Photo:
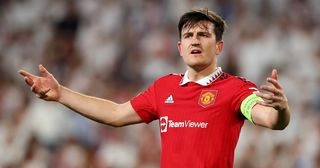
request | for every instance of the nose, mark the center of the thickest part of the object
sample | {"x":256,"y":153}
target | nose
{"x":195,"y":41}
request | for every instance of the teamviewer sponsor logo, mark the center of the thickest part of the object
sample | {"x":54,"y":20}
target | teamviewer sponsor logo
{"x":165,"y":123}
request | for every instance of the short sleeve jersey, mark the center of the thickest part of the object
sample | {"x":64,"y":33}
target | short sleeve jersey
{"x":199,"y":122}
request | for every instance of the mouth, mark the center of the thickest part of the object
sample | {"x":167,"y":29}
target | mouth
{"x":196,"y":51}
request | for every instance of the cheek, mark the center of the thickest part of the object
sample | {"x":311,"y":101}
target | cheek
{"x":211,"y":48}
{"x":183,"y":48}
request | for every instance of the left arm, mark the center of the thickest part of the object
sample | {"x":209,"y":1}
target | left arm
{"x":274,"y":112}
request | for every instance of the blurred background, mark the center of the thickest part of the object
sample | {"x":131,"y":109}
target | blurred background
{"x":116,"y":48}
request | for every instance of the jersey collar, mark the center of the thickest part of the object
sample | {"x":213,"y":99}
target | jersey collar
{"x":204,"y":81}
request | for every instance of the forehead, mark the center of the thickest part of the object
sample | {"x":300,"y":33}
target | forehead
{"x":203,"y":26}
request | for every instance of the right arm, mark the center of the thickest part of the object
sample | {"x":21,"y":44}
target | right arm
{"x":100,"y":110}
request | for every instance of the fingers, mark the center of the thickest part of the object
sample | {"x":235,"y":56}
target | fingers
{"x":272,"y":89}
{"x":271,"y":100}
{"x":275,"y":97}
{"x":275,"y":83}
{"x":28,"y":78}
{"x":269,"y":97}
{"x":27,"y":74}
{"x":33,"y":88}
{"x":275,"y":105}
{"x":38,"y":85}
{"x":38,"y":91}
{"x":28,"y":81}
{"x":43,"y":71}
{"x":275,"y":94}
{"x":274,"y":74}
{"x":43,"y":93}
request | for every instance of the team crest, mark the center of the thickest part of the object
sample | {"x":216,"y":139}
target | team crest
{"x":207,"y":98}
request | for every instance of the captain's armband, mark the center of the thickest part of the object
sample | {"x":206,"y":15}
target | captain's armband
{"x":247,"y":105}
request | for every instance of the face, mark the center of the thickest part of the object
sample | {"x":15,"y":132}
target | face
{"x":198,"y":46}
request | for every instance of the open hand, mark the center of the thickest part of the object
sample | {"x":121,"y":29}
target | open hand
{"x":275,"y":97}
{"x":45,"y":86}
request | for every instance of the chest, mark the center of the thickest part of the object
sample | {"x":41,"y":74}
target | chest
{"x":195,"y":107}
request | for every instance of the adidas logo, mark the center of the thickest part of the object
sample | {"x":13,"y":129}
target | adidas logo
{"x":169,"y":100}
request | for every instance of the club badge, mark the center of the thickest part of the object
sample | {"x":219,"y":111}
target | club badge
{"x":207,"y":98}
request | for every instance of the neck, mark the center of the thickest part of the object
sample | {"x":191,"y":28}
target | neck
{"x":195,"y":75}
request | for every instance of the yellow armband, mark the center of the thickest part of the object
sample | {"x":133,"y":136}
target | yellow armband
{"x":247,"y":104}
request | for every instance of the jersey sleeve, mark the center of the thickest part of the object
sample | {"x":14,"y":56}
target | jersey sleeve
{"x":246,"y":89}
{"x":145,"y":105}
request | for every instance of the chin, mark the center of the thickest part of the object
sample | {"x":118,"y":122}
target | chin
{"x":198,"y":66}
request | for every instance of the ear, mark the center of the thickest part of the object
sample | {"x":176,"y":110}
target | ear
{"x":179,"y":47}
{"x":219,"y":47}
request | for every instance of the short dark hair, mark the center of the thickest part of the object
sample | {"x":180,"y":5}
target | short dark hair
{"x":193,"y":17}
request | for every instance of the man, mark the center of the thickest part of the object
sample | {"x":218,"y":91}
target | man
{"x":200,"y":113}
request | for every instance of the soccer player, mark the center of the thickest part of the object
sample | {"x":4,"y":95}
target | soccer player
{"x":200,"y":112}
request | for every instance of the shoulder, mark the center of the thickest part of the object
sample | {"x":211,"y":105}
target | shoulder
{"x":244,"y":83}
{"x":242,"y":80}
{"x":172,"y":78}
{"x":234,"y":80}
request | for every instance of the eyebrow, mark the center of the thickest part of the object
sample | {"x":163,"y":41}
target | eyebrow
{"x":205,"y":33}
{"x":200,"y":32}
{"x":187,"y":33}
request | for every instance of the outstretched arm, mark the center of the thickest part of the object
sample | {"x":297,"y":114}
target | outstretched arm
{"x":104,"y":111}
{"x":274,"y":112}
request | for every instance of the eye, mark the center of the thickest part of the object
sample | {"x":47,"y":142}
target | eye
{"x":204,"y":34}
{"x":187,"y":35}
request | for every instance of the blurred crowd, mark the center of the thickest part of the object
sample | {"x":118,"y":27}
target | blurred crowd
{"x":115,"y":49}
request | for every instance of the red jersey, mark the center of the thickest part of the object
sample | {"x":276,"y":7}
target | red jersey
{"x":200,"y":122}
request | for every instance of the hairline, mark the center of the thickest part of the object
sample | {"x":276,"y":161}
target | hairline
{"x":201,"y":23}
{"x":217,"y":21}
